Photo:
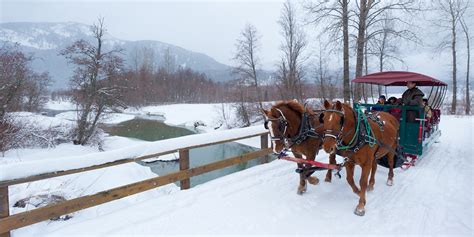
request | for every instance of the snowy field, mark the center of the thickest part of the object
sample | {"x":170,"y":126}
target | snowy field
{"x":434,"y":197}
{"x":210,"y":116}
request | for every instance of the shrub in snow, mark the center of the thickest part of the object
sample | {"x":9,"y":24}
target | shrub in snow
{"x":8,"y":134}
{"x":246,"y":114}
{"x":23,"y":133}
{"x":41,"y":201}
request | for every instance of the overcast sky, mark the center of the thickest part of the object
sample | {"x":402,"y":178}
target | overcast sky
{"x":209,"y":27}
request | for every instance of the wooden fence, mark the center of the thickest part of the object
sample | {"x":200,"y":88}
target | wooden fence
{"x":8,"y":223}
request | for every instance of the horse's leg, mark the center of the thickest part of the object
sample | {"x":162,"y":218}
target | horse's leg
{"x":332,"y":161}
{"x":372,"y":176}
{"x":350,"y":176}
{"x":360,"y":209}
{"x":391,"y":163}
{"x":312,"y":180}
{"x":302,"y":185}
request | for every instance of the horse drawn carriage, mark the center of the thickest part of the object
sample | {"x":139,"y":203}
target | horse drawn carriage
{"x":415,"y":135}
{"x":392,"y":135}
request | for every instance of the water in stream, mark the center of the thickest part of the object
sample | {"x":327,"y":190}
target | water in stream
{"x":153,"y":130}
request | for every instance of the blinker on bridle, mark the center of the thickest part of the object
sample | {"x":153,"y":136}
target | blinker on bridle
{"x":282,"y":126}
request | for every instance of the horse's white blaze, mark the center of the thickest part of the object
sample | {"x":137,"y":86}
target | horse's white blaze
{"x":330,"y":117}
{"x":270,"y":127}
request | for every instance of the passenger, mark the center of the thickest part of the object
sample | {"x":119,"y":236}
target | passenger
{"x":381,"y":100}
{"x":428,"y":113}
{"x":392,"y":101}
{"x":412,"y":97}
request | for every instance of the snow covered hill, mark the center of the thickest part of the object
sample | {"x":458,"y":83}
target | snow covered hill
{"x":45,"y":40}
{"x":433,"y":198}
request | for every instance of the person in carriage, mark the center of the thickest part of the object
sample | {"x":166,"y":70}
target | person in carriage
{"x":381,"y":100}
{"x":412,"y":97}
{"x":392,"y":101}
{"x":427,"y":108}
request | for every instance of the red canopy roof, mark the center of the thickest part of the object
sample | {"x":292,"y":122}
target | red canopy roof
{"x":395,"y":78}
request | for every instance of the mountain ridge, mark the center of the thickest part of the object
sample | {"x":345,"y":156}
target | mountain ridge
{"x":46,"y":39}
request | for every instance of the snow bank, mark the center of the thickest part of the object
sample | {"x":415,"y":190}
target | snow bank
{"x":209,"y":116}
{"x":28,"y":168}
{"x":40,"y":120}
{"x":60,"y":105}
{"x":432,"y":198}
{"x":116,"y":118}
{"x":109,"y":118}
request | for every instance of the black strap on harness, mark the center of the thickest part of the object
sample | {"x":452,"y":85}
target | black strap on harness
{"x":306,"y":130}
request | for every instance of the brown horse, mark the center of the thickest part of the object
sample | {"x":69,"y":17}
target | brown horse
{"x":293,"y":126}
{"x":358,"y":145}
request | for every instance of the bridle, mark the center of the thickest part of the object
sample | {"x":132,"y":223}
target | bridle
{"x":333,"y":133}
{"x":305,"y":130}
{"x":282,"y":126}
{"x":338,"y":135}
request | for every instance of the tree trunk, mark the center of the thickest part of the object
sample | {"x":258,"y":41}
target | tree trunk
{"x":345,"y":32}
{"x":468,"y":99}
{"x":364,"y":6}
{"x":453,"y":48}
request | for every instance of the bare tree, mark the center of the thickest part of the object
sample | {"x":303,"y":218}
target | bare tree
{"x":35,"y":92}
{"x":93,"y":80}
{"x":20,"y":87}
{"x":321,"y":72}
{"x":246,"y":59}
{"x":14,"y":74}
{"x":370,"y":13}
{"x":383,"y":42}
{"x":291,"y":68}
{"x":468,"y":63}
{"x":334,"y":16}
{"x":450,"y":13}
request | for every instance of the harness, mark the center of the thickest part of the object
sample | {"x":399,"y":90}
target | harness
{"x":305,"y":130}
{"x":363,"y":132}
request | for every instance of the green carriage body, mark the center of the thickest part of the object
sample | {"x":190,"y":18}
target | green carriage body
{"x":410,"y":137}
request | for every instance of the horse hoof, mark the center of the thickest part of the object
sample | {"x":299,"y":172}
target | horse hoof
{"x":389,"y":182}
{"x":359,"y":212}
{"x":313,"y":180}
{"x":370,"y":188}
{"x":327,"y":179}
{"x":301,"y":190}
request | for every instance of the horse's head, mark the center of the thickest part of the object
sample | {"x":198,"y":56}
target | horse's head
{"x":333,"y":121}
{"x":283,"y":121}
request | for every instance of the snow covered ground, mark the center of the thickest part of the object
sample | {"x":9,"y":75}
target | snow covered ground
{"x":186,"y":115}
{"x":433,"y":198}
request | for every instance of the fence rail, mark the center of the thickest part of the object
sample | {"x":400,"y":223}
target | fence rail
{"x":8,"y":223}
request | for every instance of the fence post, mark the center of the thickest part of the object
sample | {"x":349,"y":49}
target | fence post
{"x":264,"y":145}
{"x":4,"y":206}
{"x":184,"y":165}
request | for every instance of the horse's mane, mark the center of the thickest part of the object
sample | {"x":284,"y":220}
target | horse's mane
{"x":291,"y":104}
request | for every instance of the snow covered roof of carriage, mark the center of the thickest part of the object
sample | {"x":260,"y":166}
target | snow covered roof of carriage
{"x":398,"y":78}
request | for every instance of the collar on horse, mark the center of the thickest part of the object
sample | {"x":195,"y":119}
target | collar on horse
{"x":363,"y":133}
{"x":305,"y":130}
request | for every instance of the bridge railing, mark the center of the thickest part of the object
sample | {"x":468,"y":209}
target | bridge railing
{"x":10,"y":222}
